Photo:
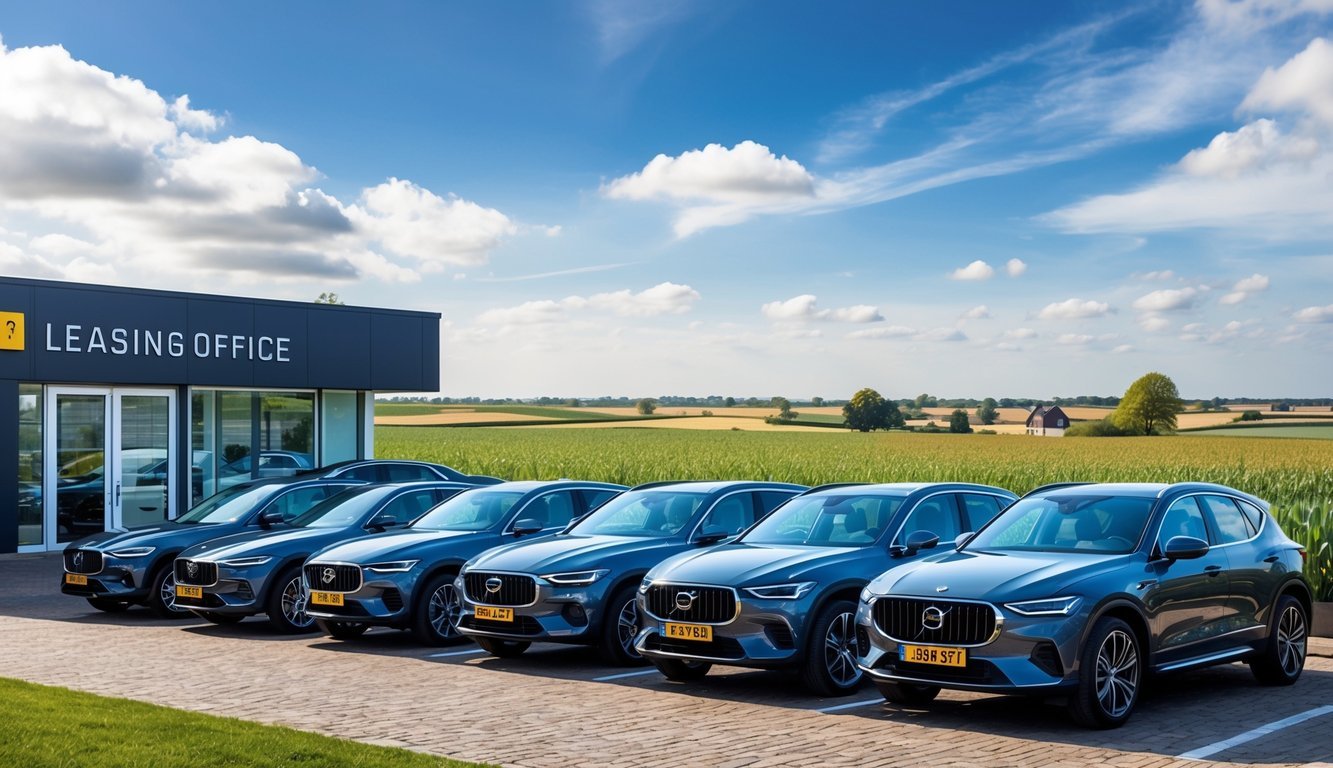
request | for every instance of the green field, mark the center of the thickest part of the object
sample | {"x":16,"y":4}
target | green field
{"x":57,"y":728}
{"x":1306,"y":431}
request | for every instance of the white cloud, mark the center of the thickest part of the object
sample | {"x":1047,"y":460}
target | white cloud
{"x":1166,"y":300}
{"x":977,"y":313}
{"x":942,"y":334}
{"x":905,"y":332}
{"x":1074,"y":339}
{"x":416,"y":223}
{"x":621,"y":27}
{"x":1304,"y":84}
{"x":1156,"y":275}
{"x":1154,"y":323}
{"x":1244,"y":287}
{"x":1122,"y":349}
{"x":1074,"y":309}
{"x":1322,"y":314}
{"x":1015,"y":267}
{"x":1020,"y":333}
{"x":803,"y":307}
{"x":193,"y":119}
{"x":977,"y":270}
{"x":661,"y":299}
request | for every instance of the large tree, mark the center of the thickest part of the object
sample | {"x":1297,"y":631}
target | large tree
{"x":867,"y":411}
{"x":958,"y":421}
{"x":1149,"y":406}
{"x":986,"y":412}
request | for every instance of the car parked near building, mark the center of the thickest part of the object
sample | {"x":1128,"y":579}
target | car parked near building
{"x":783,"y":594}
{"x":398,"y":471}
{"x":405,"y":579}
{"x":224,"y":580}
{"x":1085,"y":590}
{"x":579,"y":586}
{"x":117,"y":569}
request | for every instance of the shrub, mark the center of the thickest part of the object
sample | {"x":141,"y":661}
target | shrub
{"x":1103,"y":428}
{"x":1250,"y":416}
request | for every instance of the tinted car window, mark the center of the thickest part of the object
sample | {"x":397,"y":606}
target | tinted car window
{"x":1068,"y":523}
{"x":339,"y":509}
{"x":369,"y":473}
{"x":937,"y":514}
{"x":595,"y":499}
{"x":552,"y":510}
{"x":226,"y":506}
{"x":642,"y":513}
{"x":978,"y":509}
{"x":732,"y":514}
{"x":295,"y":503}
{"x":470,"y":511}
{"x":771,"y":500}
{"x":1183,"y":518}
{"x":827,"y":521}
{"x":1253,"y":515}
{"x":407,"y":473}
{"x":407,"y":507}
{"x":1228,"y":524}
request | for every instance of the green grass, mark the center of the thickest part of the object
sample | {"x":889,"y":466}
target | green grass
{"x":537,"y":411}
{"x":1251,"y":429}
{"x":59,"y":728}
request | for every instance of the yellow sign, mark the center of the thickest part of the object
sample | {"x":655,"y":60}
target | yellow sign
{"x":11,"y":330}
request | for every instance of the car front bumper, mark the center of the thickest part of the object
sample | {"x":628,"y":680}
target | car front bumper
{"x":557,"y":614}
{"x":762,"y":634}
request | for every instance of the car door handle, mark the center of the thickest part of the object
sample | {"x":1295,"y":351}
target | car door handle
{"x":1272,"y":559}
{"x":1213,"y":570}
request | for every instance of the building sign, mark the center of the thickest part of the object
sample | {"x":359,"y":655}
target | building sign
{"x":142,"y":342}
{"x":11,"y":330}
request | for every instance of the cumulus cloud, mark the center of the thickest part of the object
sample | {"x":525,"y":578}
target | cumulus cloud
{"x":1020,"y":333}
{"x":908,"y":333}
{"x":977,"y":313}
{"x":1245,"y":287}
{"x":1162,"y":275}
{"x":138,"y":178}
{"x":977,"y":270}
{"x":1015,"y":267}
{"x":1322,"y":314}
{"x":803,"y":308}
{"x":1074,"y":309}
{"x":661,"y":299}
{"x":1154,"y":323}
{"x":1166,"y":300}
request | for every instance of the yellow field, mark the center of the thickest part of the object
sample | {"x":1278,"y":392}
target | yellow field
{"x":456,"y":417}
{"x":748,"y":424}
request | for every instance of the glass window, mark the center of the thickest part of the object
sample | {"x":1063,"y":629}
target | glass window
{"x":552,"y":510}
{"x":370,"y":473}
{"x":937,"y":514}
{"x":642,"y":513}
{"x":407,"y":507}
{"x":408,"y":473}
{"x":470,"y":511}
{"x":1068,"y":523}
{"x":771,"y":500}
{"x":232,"y":436}
{"x":1229,"y":524}
{"x":296,"y":503}
{"x":595,"y":499}
{"x":1183,"y":518}
{"x":827,"y":521}
{"x":978,"y":509}
{"x":732,"y":514}
{"x":287,"y":429}
{"x":30,"y":464}
{"x":203,"y":424}
{"x":227,"y":505}
{"x":337,"y":434}
{"x":1253,"y":514}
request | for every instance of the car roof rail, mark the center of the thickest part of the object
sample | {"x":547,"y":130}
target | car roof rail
{"x":828,"y":487}
{"x":658,"y":483}
{"x":1056,"y":486}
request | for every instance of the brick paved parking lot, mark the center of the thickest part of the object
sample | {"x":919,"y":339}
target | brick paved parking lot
{"x":558,"y":706}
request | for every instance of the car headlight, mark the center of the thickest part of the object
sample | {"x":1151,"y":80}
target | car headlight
{"x":644,"y":585}
{"x":794,"y":591}
{"x":393,"y":566}
{"x":1054,"y":606}
{"x":575,"y":578}
{"x":866,"y":594}
{"x":133,"y":552}
{"x":245,"y":562}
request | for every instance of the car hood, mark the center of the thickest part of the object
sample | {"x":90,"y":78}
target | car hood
{"x":576,"y":553}
{"x":747,"y":565}
{"x":276,"y":543}
{"x":162,"y":535}
{"x":995,"y":576}
{"x":400,"y":545}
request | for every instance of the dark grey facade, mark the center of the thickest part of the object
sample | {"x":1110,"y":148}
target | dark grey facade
{"x":82,"y":342}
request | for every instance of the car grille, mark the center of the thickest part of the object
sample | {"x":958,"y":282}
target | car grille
{"x":514,"y":589}
{"x":83,"y":561}
{"x":521,"y":625}
{"x":203,"y":573}
{"x":327,"y":577}
{"x":901,"y":618}
{"x":393,"y":600}
{"x":710,"y":605}
{"x":717,"y":648}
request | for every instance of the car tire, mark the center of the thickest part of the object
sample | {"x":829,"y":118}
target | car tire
{"x":162,"y":594}
{"x":341,"y":630}
{"x":682,"y":670}
{"x":107,"y":605}
{"x":504,"y":649}
{"x":1111,"y":666}
{"x":286,"y":603}
{"x":830,"y":666}
{"x":908,"y":694}
{"x":620,"y":625}
{"x":435,"y":619}
{"x":221,"y":619}
{"x":1283,"y":657}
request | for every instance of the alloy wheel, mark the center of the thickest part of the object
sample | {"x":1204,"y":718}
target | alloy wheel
{"x":1117,"y":673}
{"x":167,"y":593}
{"x":1291,"y":640}
{"x":840,"y":650}
{"x":444,"y":610}
{"x":294,"y":599}
{"x":627,"y":627}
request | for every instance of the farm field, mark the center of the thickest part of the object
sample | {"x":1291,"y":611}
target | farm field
{"x":1297,"y":430}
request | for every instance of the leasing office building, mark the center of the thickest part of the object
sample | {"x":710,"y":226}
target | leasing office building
{"x":133,"y":404}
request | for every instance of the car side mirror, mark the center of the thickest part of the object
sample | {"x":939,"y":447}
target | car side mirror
{"x":916,"y":541}
{"x":962,"y":539}
{"x":270,"y":518}
{"x":383,"y":522}
{"x":528,"y":527}
{"x":1184,"y":548}
{"x":711,"y":535}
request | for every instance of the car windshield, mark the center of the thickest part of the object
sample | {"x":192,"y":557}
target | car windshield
{"x":842,"y":520}
{"x":469,"y":511}
{"x":642,"y":513}
{"x":229,"y":505}
{"x":342,"y":509}
{"x":1068,"y":523}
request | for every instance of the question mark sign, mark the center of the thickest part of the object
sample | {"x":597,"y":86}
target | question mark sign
{"x":11,"y":325}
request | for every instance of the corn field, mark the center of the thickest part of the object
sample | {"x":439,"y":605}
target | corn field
{"x":1294,"y":476}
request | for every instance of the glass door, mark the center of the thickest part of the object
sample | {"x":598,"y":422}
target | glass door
{"x":108,"y":460}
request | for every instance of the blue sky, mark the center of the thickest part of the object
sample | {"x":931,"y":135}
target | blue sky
{"x":748,"y":198}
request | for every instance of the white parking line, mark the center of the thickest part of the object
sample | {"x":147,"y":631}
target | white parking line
{"x":625,"y":674}
{"x":1260,"y":732}
{"x":468,"y":652}
{"x":853,"y":705}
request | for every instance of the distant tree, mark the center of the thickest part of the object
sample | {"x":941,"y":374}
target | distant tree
{"x":646,"y":406}
{"x":329,"y":297}
{"x":868,"y":410}
{"x":986,"y":412}
{"x":1099,"y":428}
{"x":1149,"y":406}
{"x":958,"y":422}
{"x":1250,"y":416}
{"x":931,"y":427}
{"x":926,"y":401}
{"x":785,"y":413}
{"x":730,"y":402}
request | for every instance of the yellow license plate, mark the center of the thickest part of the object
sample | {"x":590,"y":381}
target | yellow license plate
{"x":74,"y":578}
{"x":933,"y":654}
{"x":184,"y":591}
{"x":495,"y":614}
{"x":701,"y":632}
{"x":326,"y":598}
